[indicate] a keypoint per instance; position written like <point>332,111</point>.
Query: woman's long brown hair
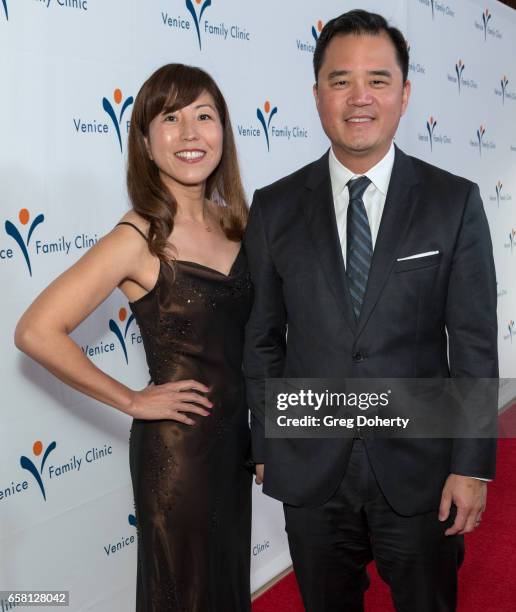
<point>169,89</point>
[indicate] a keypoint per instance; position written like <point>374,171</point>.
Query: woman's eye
<point>170,118</point>
<point>204,116</point>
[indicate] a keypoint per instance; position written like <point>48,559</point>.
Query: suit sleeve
<point>265,346</point>
<point>471,323</point>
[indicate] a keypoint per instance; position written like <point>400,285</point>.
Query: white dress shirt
<point>373,198</point>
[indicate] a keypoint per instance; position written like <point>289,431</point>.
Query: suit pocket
<point>418,263</point>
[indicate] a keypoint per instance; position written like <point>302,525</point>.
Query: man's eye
<point>376,83</point>
<point>340,83</point>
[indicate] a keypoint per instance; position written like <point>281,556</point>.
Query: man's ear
<point>316,95</point>
<point>405,96</point>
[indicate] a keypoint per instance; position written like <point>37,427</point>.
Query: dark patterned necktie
<point>359,245</point>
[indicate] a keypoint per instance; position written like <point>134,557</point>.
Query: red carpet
<point>487,579</point>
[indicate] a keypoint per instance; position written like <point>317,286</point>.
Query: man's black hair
<point>361,22</point>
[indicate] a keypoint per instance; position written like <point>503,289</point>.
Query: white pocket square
<point>418,255</point>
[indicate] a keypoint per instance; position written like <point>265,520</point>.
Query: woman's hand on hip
<point>171,401</point>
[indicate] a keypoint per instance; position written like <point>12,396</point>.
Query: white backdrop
<point>69,71</point>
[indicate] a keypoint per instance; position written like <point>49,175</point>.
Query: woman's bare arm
<point>43,331</point>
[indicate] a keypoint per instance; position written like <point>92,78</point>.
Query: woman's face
<point>186,144</point>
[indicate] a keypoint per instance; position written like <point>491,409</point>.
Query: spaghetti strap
<point>134,226</point>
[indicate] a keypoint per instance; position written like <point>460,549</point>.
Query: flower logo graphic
<point>480,137</point>
<point>28,464</point>
<point>499,186</point>
<point>108,107</point>
<point>131,519</point>
<point>430,127</point>
<point>14,233</point>
<point>459,69</point>
<point>504,82</point>
<point>114,327</point>
<point>4,4</point>
<point>197,20</point>
<point>266,123</point>
<point>486,16</point>
<point>511,329</point>
<point>317,29</point>
<point>512,239</point>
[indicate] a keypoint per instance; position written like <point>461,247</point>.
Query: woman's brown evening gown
<point>192,486</point>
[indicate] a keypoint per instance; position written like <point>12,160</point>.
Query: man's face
<point>361,97</point>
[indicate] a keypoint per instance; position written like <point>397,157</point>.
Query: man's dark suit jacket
<point>298,271</point>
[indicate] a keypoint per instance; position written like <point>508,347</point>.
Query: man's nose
<point>360,95</point>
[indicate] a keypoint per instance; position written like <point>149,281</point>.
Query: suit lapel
<point>319,212</point>
<point>396,217</point>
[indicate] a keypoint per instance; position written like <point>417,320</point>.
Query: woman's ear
<point>148,148</point>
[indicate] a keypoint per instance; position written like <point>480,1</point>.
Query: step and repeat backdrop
<point>69,71</point>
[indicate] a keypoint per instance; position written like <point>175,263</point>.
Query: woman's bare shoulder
<point>133,218</point>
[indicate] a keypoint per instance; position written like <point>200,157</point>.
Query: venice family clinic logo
<point>15,234</point>
<point>309,45</point>
<point>512,239</point>
<point>459,69</point>
<point>499,186</point>
<point>197,18</point>
<point>29,465</point>
<point>114,547</point>
<point>485,26</point>
<point>414,66</point>
<point>486,17</point>
<point>438,7</point>
<point>458,78</point>
<point>481,143</point>
<point>430,127</point>
<point>480,137</point>
<point>115,328</point>
<point>117,120</point>
<point>511,329</point>
<point>500,196</point>
<point>504,82</point>
<point>503,92</point>
<point>317,29</point>
<point>266,119</point>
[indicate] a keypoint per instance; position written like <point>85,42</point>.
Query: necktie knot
<point>357,187</point>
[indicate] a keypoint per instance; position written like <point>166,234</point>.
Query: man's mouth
<point>359,119</point>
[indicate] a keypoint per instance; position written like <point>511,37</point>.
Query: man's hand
<point>259,473</point>
<point>469,495</point>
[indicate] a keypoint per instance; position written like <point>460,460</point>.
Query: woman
<point>177,257</point>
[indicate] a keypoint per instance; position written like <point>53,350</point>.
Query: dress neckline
<point>194,264</point>
<point>199,265</point>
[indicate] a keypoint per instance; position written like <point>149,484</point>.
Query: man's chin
<point>357,148</point>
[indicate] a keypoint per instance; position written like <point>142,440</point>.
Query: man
<point>375,277</point>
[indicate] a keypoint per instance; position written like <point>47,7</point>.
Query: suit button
<point>358,356</point>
